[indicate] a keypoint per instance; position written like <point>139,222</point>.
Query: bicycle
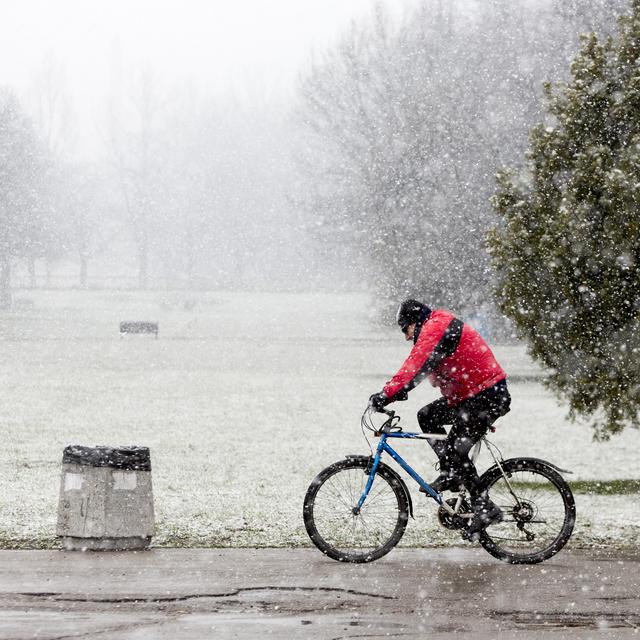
<point>357,509</point>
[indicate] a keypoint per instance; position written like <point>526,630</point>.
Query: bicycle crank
<point>454,521</point>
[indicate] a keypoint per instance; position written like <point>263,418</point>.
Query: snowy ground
<point>242,399</point>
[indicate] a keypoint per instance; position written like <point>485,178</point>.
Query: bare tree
<point>52,109</point>
<point>50,104</point>
<point>22,207</point>
<point>136,152</point>
<point>403,126</point>
<point>79,196</point>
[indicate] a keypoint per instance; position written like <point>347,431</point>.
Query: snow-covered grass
<point>242,399</point>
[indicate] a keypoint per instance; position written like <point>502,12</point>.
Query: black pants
<point>470,420</point>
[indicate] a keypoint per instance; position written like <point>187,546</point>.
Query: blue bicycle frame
<point>384,447</point>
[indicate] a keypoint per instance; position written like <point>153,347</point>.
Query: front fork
<point>371,471</point>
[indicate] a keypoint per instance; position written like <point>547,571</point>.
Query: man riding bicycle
<point>456,359</point>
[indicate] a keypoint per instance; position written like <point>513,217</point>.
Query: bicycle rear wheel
<point>538,507</point>
<point>349,536</point>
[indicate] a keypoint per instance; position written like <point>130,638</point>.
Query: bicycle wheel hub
<point>525,511</point>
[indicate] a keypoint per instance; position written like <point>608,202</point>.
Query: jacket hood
<point>424,316</point>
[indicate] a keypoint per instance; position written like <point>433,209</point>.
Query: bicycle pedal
<point>470,537</point>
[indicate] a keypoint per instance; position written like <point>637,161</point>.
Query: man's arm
<point>438,340</point>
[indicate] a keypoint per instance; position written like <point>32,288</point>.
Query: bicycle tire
<point>546,510</point>
<point>338,488</point>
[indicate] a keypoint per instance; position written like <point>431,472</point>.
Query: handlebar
<point>389,426</point>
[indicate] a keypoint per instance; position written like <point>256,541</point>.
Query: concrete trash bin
<point>106,501</point>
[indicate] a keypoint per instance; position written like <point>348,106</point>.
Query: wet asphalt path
<point>188,594</point>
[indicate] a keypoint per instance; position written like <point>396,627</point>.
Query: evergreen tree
<point>568,253</point>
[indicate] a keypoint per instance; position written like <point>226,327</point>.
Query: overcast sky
<point>222,45</point>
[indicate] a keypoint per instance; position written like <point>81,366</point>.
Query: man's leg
<point>431,419</point>
<point>467,429</point>
<point>472,420</point>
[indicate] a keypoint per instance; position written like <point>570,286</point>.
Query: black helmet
<point>411,312</point>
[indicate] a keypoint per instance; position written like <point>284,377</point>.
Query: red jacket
<point>454,357</point>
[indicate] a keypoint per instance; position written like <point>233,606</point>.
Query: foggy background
<point>252,176</point>
<point>272,146</point>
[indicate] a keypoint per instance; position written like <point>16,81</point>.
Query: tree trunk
<point>5,283</point>
<point>33,283</point>
<point>83,271</point>
<point>143,265</point>
<point>190,259</point>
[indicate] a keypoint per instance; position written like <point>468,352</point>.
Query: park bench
<point>138,327</point>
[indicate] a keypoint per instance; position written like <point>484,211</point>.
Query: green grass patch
<point>605,487</point>
<point>8,541</point>
<point>594,487</point>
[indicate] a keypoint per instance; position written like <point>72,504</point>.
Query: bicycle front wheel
<point>341,531</point>
<point>538,508</point>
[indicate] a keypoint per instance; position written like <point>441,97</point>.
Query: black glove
<point>378,401</point>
